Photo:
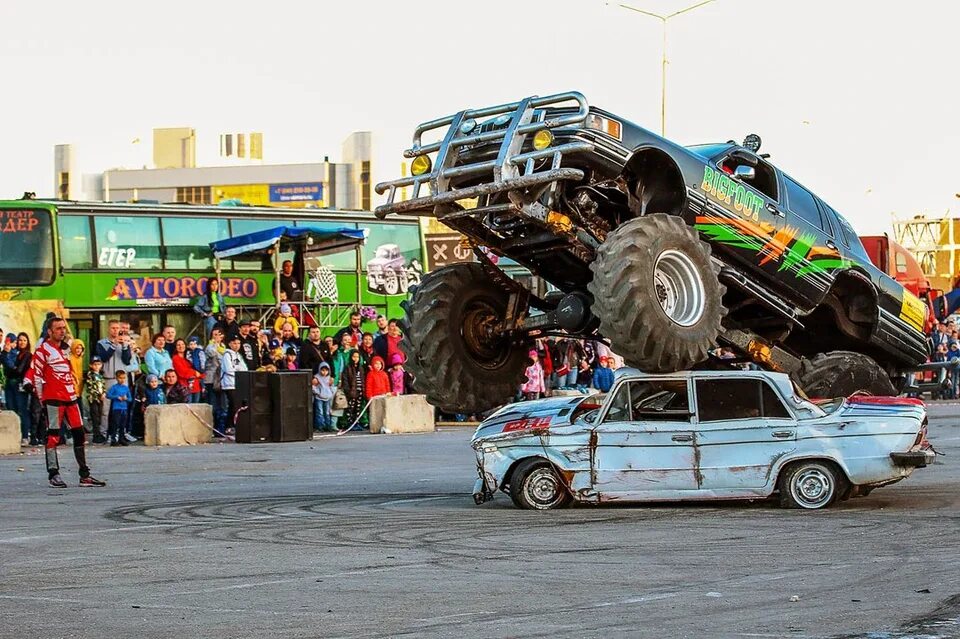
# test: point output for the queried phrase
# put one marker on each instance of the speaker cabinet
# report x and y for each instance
(292, 406)
(254, 422)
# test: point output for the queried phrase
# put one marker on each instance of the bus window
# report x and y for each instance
(346, 261)
(128, 243)
(186, 241)
(256, 262)
(26, 244)
(76, 245)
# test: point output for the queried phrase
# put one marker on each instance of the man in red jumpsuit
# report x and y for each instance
(52, 379)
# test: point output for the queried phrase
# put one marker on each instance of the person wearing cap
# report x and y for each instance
(534, 386)
(283, 317)
(231, 364)
(95, 391)
(153, 394)
(249, 347)
(276, 353)
(397, 374)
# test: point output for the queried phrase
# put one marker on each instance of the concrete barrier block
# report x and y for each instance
(178, 425)
(401, 414)
(9, 432)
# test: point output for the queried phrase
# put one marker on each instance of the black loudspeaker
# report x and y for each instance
(292, 406)
(253, 421)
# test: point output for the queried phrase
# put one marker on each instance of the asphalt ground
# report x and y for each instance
(377, 536)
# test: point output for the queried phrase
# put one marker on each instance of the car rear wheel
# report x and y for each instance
(458, 359)
(536, 485)
(811, 485)
(841, 374)
(657, 295)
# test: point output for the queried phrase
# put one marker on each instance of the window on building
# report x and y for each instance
(193, 195)
(722, 399)
(128, 243)
(76, 242)
(186, 241)
(365, 185)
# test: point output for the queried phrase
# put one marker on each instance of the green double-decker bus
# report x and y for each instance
(147, 263)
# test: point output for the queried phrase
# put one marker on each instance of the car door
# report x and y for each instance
(743, 428)
(644, 442)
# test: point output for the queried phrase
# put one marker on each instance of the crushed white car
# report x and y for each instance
(698, 435)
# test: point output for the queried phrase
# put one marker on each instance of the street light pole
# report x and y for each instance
(663, 61)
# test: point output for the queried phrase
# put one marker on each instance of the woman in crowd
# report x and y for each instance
(17, 358)
(158, 358)
(210, 305)
(188, 376)
(352, 380)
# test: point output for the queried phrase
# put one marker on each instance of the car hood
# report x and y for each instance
(524, 418)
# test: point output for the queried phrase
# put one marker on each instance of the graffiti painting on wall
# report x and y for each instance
(389, 274)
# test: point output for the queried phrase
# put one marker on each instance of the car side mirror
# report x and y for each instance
(745, 173)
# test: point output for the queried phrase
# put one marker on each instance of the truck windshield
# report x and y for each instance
(707, 151)
(26, 247)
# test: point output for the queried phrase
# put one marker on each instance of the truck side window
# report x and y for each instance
(802, 204)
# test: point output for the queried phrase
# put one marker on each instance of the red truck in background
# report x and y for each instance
(898, 263)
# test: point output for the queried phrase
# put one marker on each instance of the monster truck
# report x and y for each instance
(663, 250)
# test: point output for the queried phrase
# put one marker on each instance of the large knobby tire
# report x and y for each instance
(811, 484)
(657, 295)
(455, 363)
(536, 485)
(841, 374)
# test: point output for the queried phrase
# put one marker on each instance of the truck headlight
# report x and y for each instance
(609, 126)
(421, 164)
(542, 139)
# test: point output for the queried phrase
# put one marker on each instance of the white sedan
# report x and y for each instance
(698, 435)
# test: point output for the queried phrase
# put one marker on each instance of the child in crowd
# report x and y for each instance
(323, 392)
(152, 394)
(377, 382)
(119, 396)
(396, 374)
(94, 390)
(351, 382)
(603, 376)
(584, 375)
(290, 362)
(173, 390)
(276, 354)
(198, 359)
(534, 385)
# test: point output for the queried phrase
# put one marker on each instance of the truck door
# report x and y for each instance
(742, 216)
(810, 256)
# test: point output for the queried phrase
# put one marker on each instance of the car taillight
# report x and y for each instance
(922, 434)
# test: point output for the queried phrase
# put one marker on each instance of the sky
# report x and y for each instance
(857, 100)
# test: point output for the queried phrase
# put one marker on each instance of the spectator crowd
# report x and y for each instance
(568, 364)
(116, 381)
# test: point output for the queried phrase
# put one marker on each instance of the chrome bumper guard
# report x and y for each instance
(511, 169)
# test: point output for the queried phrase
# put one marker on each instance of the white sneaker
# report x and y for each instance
(24, 442)
(130, 438)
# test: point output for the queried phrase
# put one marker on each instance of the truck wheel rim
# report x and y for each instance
(679, 287)
(812, 488)
(390, 283)
(542, 488)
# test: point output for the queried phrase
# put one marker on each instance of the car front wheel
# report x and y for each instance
(811, 485)
(536, 485)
